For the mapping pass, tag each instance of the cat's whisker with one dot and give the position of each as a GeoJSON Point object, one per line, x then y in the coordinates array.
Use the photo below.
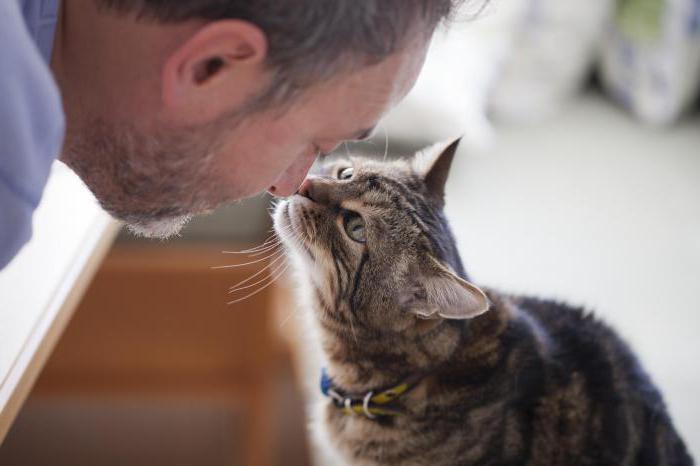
{"type": "Point", "coordinates": [386, 143]}
{"type": "Point", "coordinates": [289, 230]}
{"type": "Point", "coordinates": [270, 237]}
{"type": "Point", "coordinates": [274, 246]}
{"type": "Point", "coordinates": [245, 264]}
{"type": "Point", "coordinates": [308, 235]}
{"type": "Point", "coordinates": [263, 245]}
{"type": "Point", "coordinates": [243, 282]}
{"type": "Point", "coordinates": [274, 279]}
{"type": "Point", "coordinates": [272, 272]}
{"type": "Point", "coordinates": [302, 235]}
{"type": "Point", "coordinates": [269, 241]}
{"type": "Point", "coordinates": [293, 313]}
{"type": "Point", "coordinates": [254, 253]}
{"type": "Point", "coordinates": [298, 235]}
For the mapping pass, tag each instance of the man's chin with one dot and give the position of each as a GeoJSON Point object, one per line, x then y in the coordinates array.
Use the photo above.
{"type": "Point", "coordinates": [161, 229]}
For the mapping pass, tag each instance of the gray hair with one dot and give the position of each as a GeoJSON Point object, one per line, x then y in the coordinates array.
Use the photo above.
{"type": "Point", "coordinates": [308, 40]}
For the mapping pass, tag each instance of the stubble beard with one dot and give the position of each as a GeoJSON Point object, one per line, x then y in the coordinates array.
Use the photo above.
{"type": "Point", "coordinates": [154, 183]}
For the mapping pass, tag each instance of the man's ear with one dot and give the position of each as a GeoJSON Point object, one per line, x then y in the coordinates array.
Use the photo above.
{"type": "Point", "coordinates": [448, 296]}
{"type": "Point", "coordinates": [217, 68]}
{"type": "Point", "coordinates": [433, 164]}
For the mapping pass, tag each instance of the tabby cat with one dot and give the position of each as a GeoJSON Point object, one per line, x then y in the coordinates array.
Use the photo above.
{"type": "Point", "coordinates": [427, 369]}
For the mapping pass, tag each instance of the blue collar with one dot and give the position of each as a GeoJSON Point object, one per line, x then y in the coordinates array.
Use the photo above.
{"type": "Point", "coordinates": [373, 404]}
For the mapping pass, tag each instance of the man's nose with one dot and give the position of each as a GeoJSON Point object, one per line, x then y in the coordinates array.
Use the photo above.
{"type": "Point", "coordinates": [306, 188]}
{"type": "Point", "coordinates": [289, 181]}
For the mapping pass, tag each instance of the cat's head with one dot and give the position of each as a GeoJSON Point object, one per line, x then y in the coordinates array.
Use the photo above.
{"type": "Point", "coordinates": [372, 238]}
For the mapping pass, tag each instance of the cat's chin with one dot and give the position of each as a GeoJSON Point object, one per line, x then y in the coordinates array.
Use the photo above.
{"type": "Point", "coordinates": [285, 227]}
{"type": "Point", "coordinates": [289, 226]}
{"type": "Point", "coordinates": [281, 221]}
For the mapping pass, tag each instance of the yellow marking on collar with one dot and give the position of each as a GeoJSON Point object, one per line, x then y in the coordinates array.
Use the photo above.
{"type": "Point", "coordinates": [382, 398]}
{"type": "Point", "coordinates": [389, 395]}
{"type": "Point", "coordinates": [358, 409]}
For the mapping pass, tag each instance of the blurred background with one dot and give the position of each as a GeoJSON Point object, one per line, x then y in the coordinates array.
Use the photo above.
{"type": "Point", "coordinates": [578, 178]}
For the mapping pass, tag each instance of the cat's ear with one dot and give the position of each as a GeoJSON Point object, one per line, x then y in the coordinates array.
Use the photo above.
{"type": "Point", "coordinates": [448, 296]}
{"type": "Point", "coordinates": [433, 164]}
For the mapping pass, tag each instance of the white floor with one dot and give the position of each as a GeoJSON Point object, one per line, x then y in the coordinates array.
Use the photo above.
{"type": "Point", "coordinates": [597, 210]}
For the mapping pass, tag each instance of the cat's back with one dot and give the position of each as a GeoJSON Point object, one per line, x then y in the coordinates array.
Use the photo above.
{"type": "Point", "coordinates": [592, 370]}
{"type": "Point", "coordinates": [577, 340]}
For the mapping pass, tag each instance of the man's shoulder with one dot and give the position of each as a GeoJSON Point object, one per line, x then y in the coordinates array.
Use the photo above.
{"type": "Point", "coordinates": [15, 221]}
{"type": "Point", "coordinates": [31, 114]}
{"type": "Point", "coordinates": [31, 127]}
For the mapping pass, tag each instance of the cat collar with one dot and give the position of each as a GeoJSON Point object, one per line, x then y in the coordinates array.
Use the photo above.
{"type": "Point", "coordinates": [372, 404]}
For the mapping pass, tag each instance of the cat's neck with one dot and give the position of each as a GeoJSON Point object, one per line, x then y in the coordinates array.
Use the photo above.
{"type": "Point", "coordinates": [369, 363]}
{"type": "Point", "coordinates": [360, 361]}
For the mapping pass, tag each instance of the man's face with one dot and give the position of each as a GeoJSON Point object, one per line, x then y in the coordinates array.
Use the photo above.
{"type": "Point", "coordinates": [155, 176]}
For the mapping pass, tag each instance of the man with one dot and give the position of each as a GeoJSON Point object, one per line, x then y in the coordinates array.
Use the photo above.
{"type": "Point", "coordinates": [169, 108]}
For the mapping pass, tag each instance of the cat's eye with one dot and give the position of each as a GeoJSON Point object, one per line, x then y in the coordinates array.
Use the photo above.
{"type": "Point", "coordinates": [345, 173]}
{"type": "Point", "coordinates": [354, 226]}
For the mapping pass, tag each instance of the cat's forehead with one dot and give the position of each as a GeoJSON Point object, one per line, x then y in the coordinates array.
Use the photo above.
{"type": "Point", "coordinates": [396, 168]}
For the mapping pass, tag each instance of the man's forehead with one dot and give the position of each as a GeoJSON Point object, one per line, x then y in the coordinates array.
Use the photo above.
{"type": "Point", "coordinates": [360, 99]}
{"type": "Point", "coordinates": [395, 74]}
{"type": "Point", "coordinates": [387, 82]}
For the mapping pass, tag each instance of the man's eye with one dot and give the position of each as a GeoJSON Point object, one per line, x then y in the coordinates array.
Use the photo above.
{"type": "Point", "coordinates": [345, 173]}
{"type": "Point", "coordinates": [354, 227]}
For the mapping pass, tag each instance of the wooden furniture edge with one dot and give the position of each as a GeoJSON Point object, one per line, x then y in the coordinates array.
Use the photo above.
{"type": "Point", "coordinates": [53, 321]}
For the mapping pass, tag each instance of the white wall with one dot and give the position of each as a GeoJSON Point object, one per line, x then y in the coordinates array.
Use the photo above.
{"type": "Point", "coordinates": [598, 210]}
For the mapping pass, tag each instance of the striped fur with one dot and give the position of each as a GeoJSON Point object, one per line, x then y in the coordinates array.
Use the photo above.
{"type": "Point", "coordinates": [529, 382]}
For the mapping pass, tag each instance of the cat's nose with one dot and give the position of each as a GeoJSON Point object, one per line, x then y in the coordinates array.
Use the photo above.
{"type": "Point", "coordinates": [314, 188]}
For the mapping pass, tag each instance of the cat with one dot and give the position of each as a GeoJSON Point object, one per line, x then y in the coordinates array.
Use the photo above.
{"type": "Point", "coordinates": [424, 368]}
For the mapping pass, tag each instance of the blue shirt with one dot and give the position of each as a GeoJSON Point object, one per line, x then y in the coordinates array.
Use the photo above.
{"type": "Point", "coordinates": [31, 116]}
